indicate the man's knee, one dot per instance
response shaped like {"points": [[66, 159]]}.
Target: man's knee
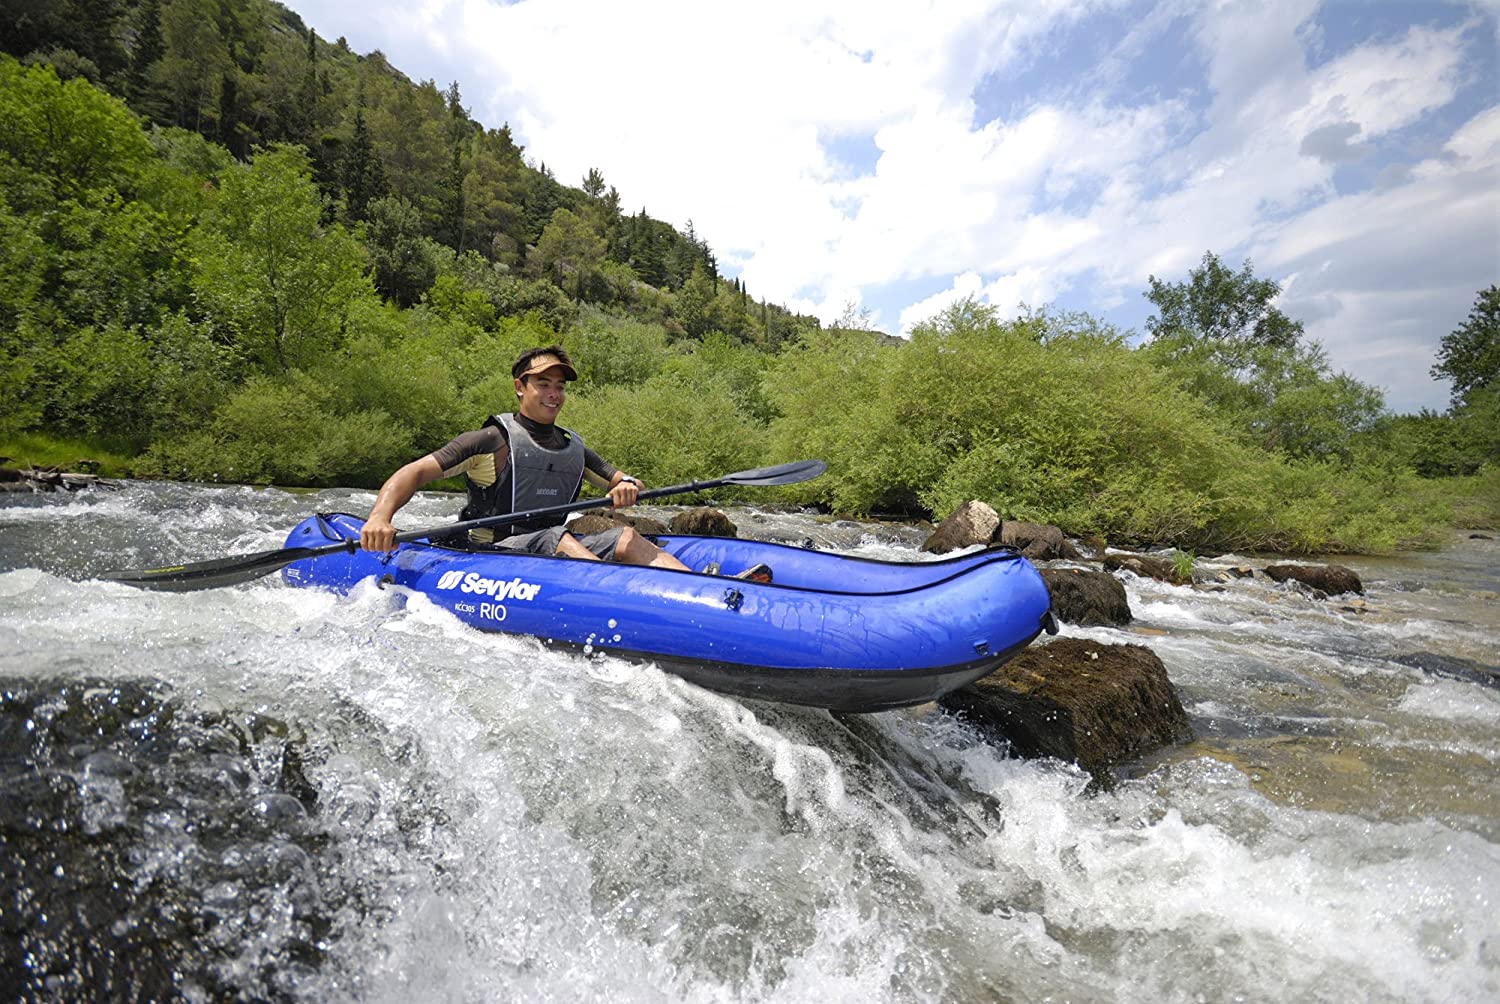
{"points": [[628, 540]]}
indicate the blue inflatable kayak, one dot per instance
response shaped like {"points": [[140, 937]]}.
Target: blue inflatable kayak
{"points": [[837, 632]]}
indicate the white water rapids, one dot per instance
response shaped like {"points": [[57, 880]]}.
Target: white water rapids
{"points": [[486, 820]]}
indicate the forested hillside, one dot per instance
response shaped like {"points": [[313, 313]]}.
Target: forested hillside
{"points": [[232, 250]]}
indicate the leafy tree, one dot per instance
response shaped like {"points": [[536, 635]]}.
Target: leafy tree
{"points": [[67, 134], [569, 253], [400, 256], [493, 219], [1223, 340], [88, 29], [274, 281], [1229, 310], [195, 62], [409, 128], [1470, 353], [141, 87], [593, 183]]}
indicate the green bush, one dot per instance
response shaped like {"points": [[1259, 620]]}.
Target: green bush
{"points": [[609, 350], [285, 431], [666, 430], [1073, 428]]}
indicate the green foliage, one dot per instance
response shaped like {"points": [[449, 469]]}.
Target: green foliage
{"points": [[67, 132], [667, 430], [1182, 565], [569, 254], [286, 430], [611, 350], [1458, 443], [1073, 429], [1229, 310], [98, 383], [1475, 500], [274, 281], [695, 302], [1470, 353], [403, 262], [1223, 342]]}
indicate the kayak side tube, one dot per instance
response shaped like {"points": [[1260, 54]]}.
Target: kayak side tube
{"points": [[837, 632]]}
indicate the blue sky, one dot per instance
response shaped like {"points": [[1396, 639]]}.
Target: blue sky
{"points": [[894, 157]]}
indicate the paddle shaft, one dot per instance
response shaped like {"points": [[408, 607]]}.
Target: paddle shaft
{"points": [[506, 519], [243, 568]]}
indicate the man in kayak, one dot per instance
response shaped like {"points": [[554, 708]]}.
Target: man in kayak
{"points": [[524, 461]]}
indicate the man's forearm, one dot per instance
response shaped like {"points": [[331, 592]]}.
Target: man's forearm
{"points": [[401, 486]]}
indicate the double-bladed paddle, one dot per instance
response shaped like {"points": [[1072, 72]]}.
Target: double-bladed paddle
{"points": [[244, 567]]}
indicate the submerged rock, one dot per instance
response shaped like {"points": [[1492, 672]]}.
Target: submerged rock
{"points": [[1329, 579], [134, 833], [1453, 667], [972, 524], [1082, 596], [1037, 541], [1077, 700], [704, 521]]}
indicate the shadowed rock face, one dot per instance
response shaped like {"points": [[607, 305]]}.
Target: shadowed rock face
{"points": [[1086, 597], [704, 521], [143, 846], [1091, 704], [1330, 579]]}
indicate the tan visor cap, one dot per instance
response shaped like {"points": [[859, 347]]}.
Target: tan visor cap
{"points": [[546, 362]]}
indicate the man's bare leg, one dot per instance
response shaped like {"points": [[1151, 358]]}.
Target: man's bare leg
{"points": [[633, 549], [569, 546]]}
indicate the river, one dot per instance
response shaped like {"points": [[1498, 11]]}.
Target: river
{"points": [[265, 793]]}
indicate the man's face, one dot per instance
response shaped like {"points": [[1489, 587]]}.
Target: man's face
{"points": [[542, 394]]}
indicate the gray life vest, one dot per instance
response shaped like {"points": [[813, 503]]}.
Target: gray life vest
{"points": [[538, 478]]}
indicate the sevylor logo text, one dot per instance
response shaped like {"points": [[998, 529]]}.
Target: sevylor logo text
{"points": [[500, 589]]}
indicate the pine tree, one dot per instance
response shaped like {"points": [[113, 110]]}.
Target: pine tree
{"points": [[148, 49], [361, 176]]}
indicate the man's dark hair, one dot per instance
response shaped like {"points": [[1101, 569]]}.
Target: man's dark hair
{"points": [[523, 361]]}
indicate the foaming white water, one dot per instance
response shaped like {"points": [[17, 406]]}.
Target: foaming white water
{"points": [[1449, 700], [510, 823]]}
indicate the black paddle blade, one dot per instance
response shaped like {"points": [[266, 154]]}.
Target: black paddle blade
{"points": [[782, 474], [212, 574]]}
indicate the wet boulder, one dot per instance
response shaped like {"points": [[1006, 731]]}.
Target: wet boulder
{"points": [[1146, 567], [972, 524], [704, 521], [598, 522], [1083, 596], [1077, 700], [1037, 541], [1328, 579]]}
